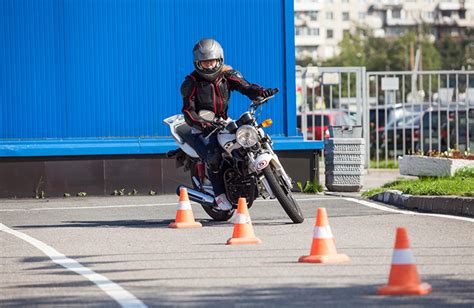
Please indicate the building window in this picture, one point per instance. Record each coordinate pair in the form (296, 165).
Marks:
(329, 33)
(429, 15)
(361, 16)
(396, 14)
(301, 31)
(310, 51)
(313, 31)
(298, 50)
(345, 16)
(313, 16)
(329, 15)
(446, 13)
(345, 1)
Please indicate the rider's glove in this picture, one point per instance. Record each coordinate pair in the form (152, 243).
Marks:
(267, 93)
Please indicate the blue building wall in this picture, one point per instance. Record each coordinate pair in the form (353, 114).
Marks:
(76, 75)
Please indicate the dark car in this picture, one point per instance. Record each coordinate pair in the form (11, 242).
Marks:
(441, 129)
(461, 125)
(401, 135)
(387, 118)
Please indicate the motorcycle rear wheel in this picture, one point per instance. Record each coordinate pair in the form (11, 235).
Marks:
(286, 199)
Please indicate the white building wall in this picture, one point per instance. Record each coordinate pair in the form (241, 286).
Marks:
(315, 20)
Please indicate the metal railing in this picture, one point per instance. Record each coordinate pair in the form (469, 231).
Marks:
(401, 112)
(419, 112)
(330, 96)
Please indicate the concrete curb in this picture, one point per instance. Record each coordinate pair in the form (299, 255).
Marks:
(452, 205)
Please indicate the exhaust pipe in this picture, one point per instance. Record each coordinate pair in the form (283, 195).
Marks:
(197, 196)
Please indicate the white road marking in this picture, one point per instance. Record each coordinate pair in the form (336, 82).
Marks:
(95, 207)
(387, 209)
(119, 294)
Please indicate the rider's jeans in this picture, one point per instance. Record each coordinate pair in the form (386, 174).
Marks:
(206, 148)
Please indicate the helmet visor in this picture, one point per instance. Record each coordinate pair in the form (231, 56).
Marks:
(208, 64)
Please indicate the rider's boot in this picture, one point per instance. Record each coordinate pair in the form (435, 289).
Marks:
(222, 203)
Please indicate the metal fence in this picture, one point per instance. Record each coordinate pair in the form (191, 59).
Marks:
(419, 112)
(401, 112)
(330, 96)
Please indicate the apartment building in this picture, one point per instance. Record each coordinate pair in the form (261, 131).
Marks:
(320, 24)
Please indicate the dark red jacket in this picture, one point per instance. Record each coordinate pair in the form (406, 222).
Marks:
(201, 94)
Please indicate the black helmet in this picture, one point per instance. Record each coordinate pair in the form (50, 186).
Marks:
(208, 49)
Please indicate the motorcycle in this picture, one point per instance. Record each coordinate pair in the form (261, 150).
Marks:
(249, 166)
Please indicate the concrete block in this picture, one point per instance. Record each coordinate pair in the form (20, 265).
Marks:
(394, 197)
(358, 168)
(440, 205)
(468, 207)
(346, 157)
(431, 166)
(343, 188)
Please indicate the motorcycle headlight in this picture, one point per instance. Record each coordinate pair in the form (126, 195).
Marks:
(247, 136)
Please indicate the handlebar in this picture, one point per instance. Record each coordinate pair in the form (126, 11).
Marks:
(260, 100)
(219, 124)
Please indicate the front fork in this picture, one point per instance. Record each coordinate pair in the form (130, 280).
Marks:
(261, 161)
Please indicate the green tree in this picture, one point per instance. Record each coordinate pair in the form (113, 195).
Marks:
(432, 59)
(380, 54)
(452, 53)
(352, 52)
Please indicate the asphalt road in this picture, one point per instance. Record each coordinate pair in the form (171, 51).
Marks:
(118, 250)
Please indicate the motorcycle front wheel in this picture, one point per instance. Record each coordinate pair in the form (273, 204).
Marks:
(285, 197)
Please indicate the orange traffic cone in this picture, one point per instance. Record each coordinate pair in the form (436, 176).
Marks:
(243, 230)
(323, 248)
(403, 278)
(184, 214)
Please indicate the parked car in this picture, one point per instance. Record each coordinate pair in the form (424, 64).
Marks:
(461, 124)
(420, 137)
(317, 122)
(402, 129)
(382, 115)
(391, 116)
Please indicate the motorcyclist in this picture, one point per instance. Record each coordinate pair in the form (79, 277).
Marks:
(209, 87)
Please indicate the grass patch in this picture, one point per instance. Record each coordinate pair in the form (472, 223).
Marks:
(311, 187)
(465, 172)
(372, 192)
(461, 184)
(390, 164)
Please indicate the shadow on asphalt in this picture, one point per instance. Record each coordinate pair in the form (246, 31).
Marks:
(163, 223)
(72, 284)
(144, 224)
(446, 291)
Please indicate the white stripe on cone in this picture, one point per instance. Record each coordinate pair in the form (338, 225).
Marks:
(242, 219)
(403, 256)
(184, 205)
(322, 232)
